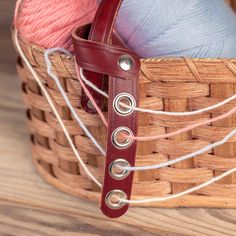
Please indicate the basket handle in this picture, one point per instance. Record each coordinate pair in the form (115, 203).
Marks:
(100, 52)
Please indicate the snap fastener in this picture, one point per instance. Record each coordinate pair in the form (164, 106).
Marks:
(112, 199)
(127, 99)
(116, 172)
(119, 140)
(126, 63)
(90, 105)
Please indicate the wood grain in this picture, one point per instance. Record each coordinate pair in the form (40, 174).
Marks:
(7, 55)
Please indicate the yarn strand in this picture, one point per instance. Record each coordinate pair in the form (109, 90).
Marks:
(134, 201)
(54, 77)
(168, 135)
(177, 195)
(49, 37)
(48, 98)
(185, 157)
(171, 162)
(188, 113)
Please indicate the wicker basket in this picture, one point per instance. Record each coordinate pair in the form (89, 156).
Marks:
(165, 84)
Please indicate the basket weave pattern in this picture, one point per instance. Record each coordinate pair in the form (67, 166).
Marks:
(165, 84)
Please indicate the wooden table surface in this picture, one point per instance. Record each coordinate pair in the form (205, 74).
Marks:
(29, 206)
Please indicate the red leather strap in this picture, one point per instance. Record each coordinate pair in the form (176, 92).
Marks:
(99, 56)
(103, 23)
(103, 55)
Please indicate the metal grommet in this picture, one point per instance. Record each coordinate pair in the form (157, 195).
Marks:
(90, 105)
(112, 200)
(120, 141)
(126, 62)
(116, 172)
(127, 99)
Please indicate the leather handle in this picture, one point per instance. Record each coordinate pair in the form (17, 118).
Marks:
(103, 22)
(108, 55)
(99, 51)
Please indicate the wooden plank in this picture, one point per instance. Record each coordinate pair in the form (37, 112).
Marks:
(18, 220)
(7, 55)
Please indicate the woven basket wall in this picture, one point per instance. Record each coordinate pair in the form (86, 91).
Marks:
(165, 84)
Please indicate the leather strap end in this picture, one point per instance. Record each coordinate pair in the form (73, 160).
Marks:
(100, 52)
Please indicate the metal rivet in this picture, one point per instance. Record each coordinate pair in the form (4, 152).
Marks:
(112, 200)
(122, 144)
(127, 99)
(116, 172)
(126, 63)
(90, 105)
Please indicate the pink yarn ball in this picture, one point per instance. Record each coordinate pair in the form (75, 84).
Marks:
(48, 23)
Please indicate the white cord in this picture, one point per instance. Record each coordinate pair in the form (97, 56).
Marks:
(47, 96)
(133, 168)
(90, 84)
(171, 162)
(191, 190)
(146, 200)
(188, 113)
(182, 158)
(47, 53)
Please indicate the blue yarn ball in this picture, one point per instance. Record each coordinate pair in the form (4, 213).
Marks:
(190, 28)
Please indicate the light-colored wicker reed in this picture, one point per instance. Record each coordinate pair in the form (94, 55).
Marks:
(165, 84)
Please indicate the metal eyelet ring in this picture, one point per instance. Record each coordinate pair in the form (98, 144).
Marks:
(126, 62)
(90, 105)
(127, 99)
(111, 199)
(126, 142)
(116, 172)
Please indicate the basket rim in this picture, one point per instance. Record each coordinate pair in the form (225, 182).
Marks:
(150, 59)
(180, 69)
